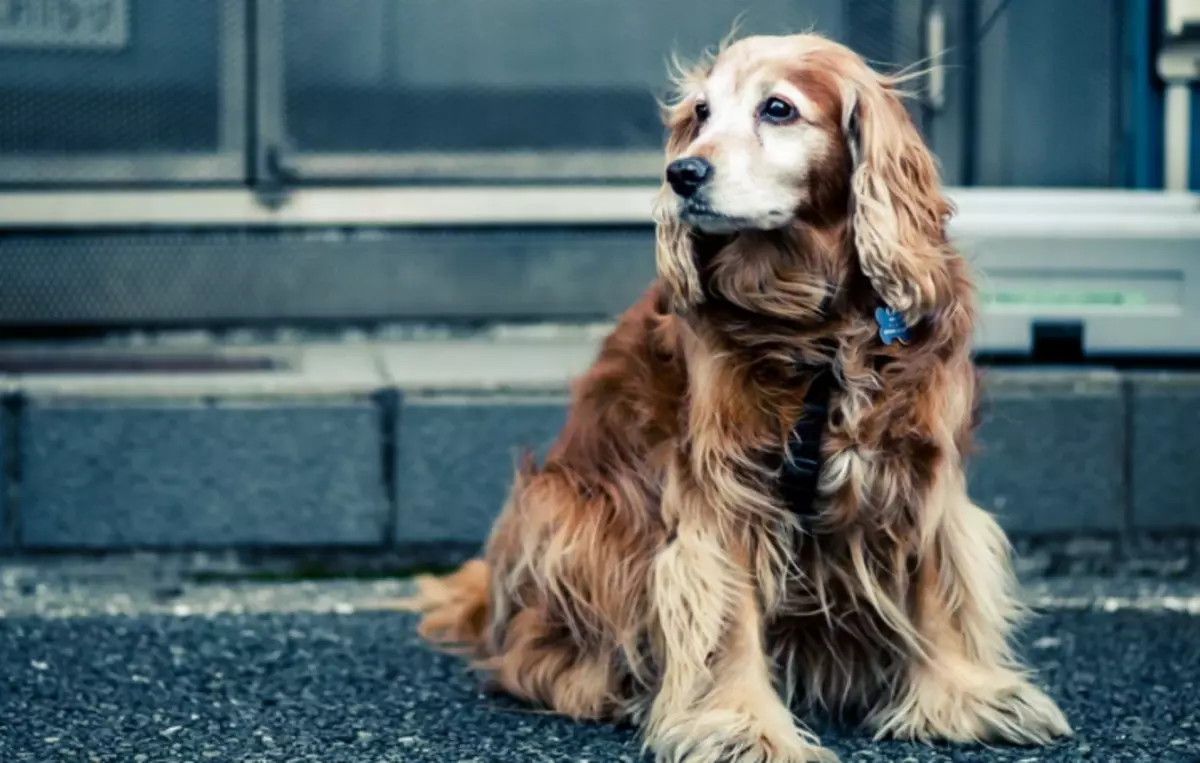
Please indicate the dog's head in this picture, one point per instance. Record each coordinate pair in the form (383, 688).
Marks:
(786, 132)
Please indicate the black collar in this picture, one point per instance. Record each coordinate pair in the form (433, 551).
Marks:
(801, 463)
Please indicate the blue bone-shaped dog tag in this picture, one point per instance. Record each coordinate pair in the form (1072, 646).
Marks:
(891, 325)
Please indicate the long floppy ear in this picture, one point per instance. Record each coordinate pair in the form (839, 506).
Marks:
(674, 256)
(898, 212)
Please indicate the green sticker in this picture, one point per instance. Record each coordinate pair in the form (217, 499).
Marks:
(1066, 298)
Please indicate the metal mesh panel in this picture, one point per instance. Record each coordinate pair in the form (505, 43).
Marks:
(477, 75)
(380, 79)
(234, 276)
(885, 32)
(155, 91)
(1049, 95)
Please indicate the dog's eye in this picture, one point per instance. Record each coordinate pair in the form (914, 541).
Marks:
(701, 112)
(778, 111)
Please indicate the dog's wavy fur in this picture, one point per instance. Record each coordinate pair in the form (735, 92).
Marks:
(648, 572)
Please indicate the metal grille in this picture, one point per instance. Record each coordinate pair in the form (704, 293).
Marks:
(144, 81)
(362, 91)
(391, 77)
(231, 277)
(477, 75)
(1049, 95)
(885, 32)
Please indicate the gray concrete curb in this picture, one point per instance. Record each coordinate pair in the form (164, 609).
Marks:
(411, 445)
(1051, 451)
(266, 458)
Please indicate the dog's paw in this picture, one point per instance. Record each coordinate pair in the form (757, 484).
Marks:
(1025, 716)
(725, 737)
(1018, 713)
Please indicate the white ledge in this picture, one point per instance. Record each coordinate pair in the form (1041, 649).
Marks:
(478, 205)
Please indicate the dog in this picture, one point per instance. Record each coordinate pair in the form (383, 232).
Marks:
(757, 504)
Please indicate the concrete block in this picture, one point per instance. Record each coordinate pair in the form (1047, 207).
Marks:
(471, 408)
(455, 460)
(265, 458)
(173, 474)
(1051, 451)
(1165, 451)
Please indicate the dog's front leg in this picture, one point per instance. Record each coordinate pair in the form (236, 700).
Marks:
(716, 700)
(967, 685)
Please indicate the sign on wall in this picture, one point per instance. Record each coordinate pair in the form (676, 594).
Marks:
(85, 24)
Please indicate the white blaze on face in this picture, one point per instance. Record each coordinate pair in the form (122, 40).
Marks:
(760, 168)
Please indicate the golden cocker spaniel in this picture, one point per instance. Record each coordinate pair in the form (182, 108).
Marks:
(758, 503)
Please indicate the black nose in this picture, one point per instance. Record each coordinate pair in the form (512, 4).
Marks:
(688, 174)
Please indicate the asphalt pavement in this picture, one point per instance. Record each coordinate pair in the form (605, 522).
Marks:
(357, 686)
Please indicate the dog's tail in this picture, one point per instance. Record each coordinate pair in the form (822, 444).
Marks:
(454, 608)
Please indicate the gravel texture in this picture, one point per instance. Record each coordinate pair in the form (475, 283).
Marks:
(55, 588)
(307, 686)
(1098, 573)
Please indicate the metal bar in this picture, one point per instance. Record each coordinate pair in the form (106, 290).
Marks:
(1179, 67)
(968, 93)
(1177, 143)
(487, 167)
(520, 205)
(232, 54)
(270, 108)
(1102, 201)
(474, 205)
(935, 51)
(93, 169)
